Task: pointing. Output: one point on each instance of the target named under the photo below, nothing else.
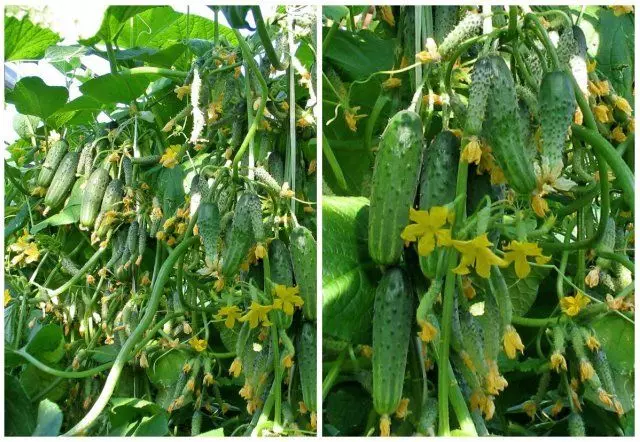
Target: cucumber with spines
(469, 26)
(303, 256)
(54, 157)
(93, 196)
(62, 182)
(557, 106)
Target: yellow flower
(578, 118)
(593, 277)
(391, 83)
(403, 408)
(257, 314)
(622, 104)
(467, 288)
(482, 402)
(472, 153)
(246, 392)
(7, 297)
(302, 408)
(261, 251)
(232, 312)
(26, 252)
(198, 345)
(236, 368)
(208, 379)
(169, 158)
(477, 253)
(530, 408)
(366, 351)
(39, 191)
(558, 362)
(539, 205)
(631, 126)
(618, 407)
(427, 331)
(517, 253)
(598, 88)
(427, 228)
(591, 66)
(602, 113)
(557, 408)
(351, 117)
(512, 342)
(605, 398)
(219, 285)
(571, 305)
(466, 359)
(313, 420)
(287, 299)
(385, 426)
(621, 10)
(592, 343)
(430, 54)
(387, 15)
(494, 382)
(287, 361)
(181, 91)
(586, 370)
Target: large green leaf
(359, 54)
(348, 274)
(47, 344)
(335, 13)
(32, 96)
(116, 88)
(137, 417)
(616, 51)
(114, 18)
(49, 419)
(24, 40)
(19, 412)
(523, 292)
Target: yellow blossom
(169, 158)
(287, 299)
(539, 205)
(7, 297)
(621, 10)
(605, 398)
(257, 314)
(602, 112)
(622, 104)
(208, 379)
(512, 342)
(302, 408)
(578, 118)
(313, 420)
(494, 381)
(427, 228)
(477, 253)
(181, 91)
(557, 408)
(366, 351)
(39, 191)
(246, 392)
(391, 83)
(517, 253)
(219, 285)
(586, 370)
(593, 277)
(558, 362)
(198, 345)
(236, 72)
(571, 305)
(592, 343)
(287, 361)
(472, 152)
(467, 288)
(171, 241)
(351, 117)
(427, 331)
(26, 251)
(631, 126)
(385, 426)
(387, 15)
(466, 360)
(231, 312)
(236, 368)
(483, 403)
(591, 66)
(261, 251)
(403, 408)
(618, 407)
(214, 110)
(530, 408)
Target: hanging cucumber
(557, 106)
(303, 255)
(51, 162)
(62, 181)
(93, 196)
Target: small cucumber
(241, 235)
(112, 196)
(51, 162)
(468, 27)
(209, 229)
(557, 106)
(445, 20)
(303, 255)
(62, 182)
(307, 367)
(93, 196)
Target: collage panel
(160, 220)
(477, 220)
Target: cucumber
(275, 167)
(241, 235)
(303, 255)
(132, 240)
(51, 162)
(392, 318)
(209, 229)
(578, 60)
(481, 79)
(92, 196)
(307, 367)
(86, 160)
(394, 184)
(445, 20)
(557, 105)
(607, 243)
(576, 425)
(127, 169)
(472, 341)
(280, 263)
(142, 240)
(469, 26)
(502, 130)
(62, 181)
(112, 196)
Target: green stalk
(331, 377)
(60, 373)
(544, 38)
(537, 322)
(265, 39)
(333, 162)
(112, 57)
(83, 271)
(621, 259)
(150, 70)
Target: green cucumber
(392, 319)
(92, 196)
(607, 243)
(394, 184)
(307, 367)
(303, 255)
(469, 26)
(62, 182)
(557, 106)
(275, 167)
(132, 240)
(280, 263)
(112, 198)
(445, 20)
(241, 235)
(502, 130)
(576, 425)
(209, 228)
(481, 79)
(51, 162)
(86, 160)
(127, 169)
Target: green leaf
(49, 419)
(137, 417)
(359, 54)
(116, 88)
(347, 407)
(55, 54)
(26, 125)
(70, 214)
(113, 20)
(616, 50)
(19, 412)
(335, 13)
(349, 277)
(105, 353)
(523, 292)
(218, 432)
(24, 40)
(237, 16)
(47, 344)
(32, 96)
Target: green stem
(248, 57)
(537, 322)
(371, 121)
(331, 377)
(60, 373)
(150, 70)
(522, 68)
(118, 364)
(277, 381)
(334, 165)
(544, 38)
(112, 57)
(563, 261)
(265, 39)
(83, 271)
(581, 254)
(621, 259)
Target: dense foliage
(478, 231)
